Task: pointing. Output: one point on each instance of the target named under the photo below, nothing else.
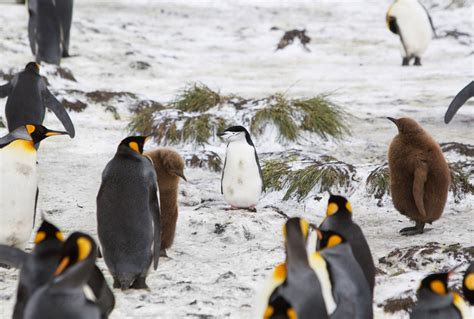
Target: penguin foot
(252, 209)
(405, 61)
(417, 61)
(5, 266)
(163, 253)
(116, 283)
(415, 230)
(139, 283)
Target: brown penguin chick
(419, 175)
(169, 167)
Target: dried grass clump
(318, 176)
(460, 185)
(378, 182)
(197, 98)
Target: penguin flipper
(54, 105)
(420, 177)
(222, 177)
(12, 256)
(155, 210)
(105, 299)
(5, 89)
(259, 168)
(430, 19)
(465, 94)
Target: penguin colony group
(137, 206)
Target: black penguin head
(33, 67)
(235, 133)
(436, 283)
(338, 204)
(296, 227)
(78, 247)
(39, 132)
(48, 231)
(407, 126)
(329, 238)
(135, 143)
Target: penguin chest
(18, 185)
(241, 182)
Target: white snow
(228, 46)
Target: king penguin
(128, 215)
(468, 284)
(19, 183)
(413, 24)
(435, 301)
(49, 28)
(37, 269)
(350, 288)
(63, 295)
(28, 96)
(458, 101)
(242, 181)
(419, 175)
(297, 288)
(339, 219)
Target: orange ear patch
(334, 240)
(40, 236)
(280, 272)
(332, 209)
(134, 146)
(438, 287)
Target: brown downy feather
(169, 166)
(419, 173)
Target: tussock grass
(143, 122)
(378, 182)
(196, 129)
(197, 98)
(316, 115)
(322, 117)
(318, 176)
(274, 173)
(280, 115)
(460, 185)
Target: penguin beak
(64, 263)
(392, 119)
(54, 133)
(181, 174)
(221, 134)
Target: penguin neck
(431, 300)
(77, 275)
(296, 255)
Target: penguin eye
(438, 287)
(85, 248)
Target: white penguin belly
(319, 266)
(241, 185)
(414, 26)
(18, 185)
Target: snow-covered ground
(220, 257)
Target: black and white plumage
(410, 20)
(28, 98)
(465, 94)
(242, 181)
